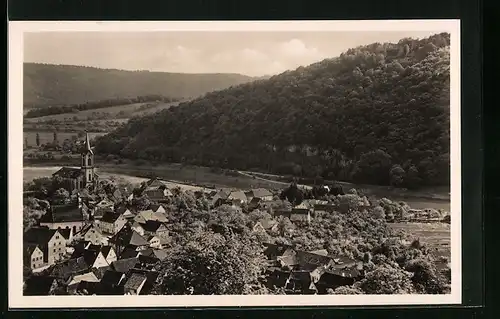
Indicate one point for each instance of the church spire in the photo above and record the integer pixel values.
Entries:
(88, 148)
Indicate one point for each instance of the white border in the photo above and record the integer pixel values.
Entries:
(15, 164)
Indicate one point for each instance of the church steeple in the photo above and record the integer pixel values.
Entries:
(88, 148)
(87, 167)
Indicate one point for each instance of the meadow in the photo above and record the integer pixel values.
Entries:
(121, 111)
(48, 137)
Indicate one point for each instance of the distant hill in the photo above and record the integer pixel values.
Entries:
(377, 114)
(47, 84)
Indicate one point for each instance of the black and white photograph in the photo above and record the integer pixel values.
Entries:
(234, 163)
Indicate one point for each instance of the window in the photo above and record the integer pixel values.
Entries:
(54, 250)
(89, 161)
(57, 236)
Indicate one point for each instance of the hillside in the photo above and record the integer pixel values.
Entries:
(46, 84)
(377, 114)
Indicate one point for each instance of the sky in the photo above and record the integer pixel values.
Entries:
(248, 53)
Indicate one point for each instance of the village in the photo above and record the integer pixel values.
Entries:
(109, 242)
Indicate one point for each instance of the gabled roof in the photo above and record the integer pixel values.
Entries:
(29, 249)
(129, 252)
(38, 285)
(238, 195)
(146, 215)
(70, 267)
(39, 235)
(260, 192)
(124, 265)
(88, 255)
(66, 233)
(110, 217)
(63, 213)
(151, 225)
(112, 278)
(135, 281)
(161, 254)
(154, 182)
(68, 172)
(127, 236)
(121, 209)
(89, 277)
(89, 227)
(154, 207)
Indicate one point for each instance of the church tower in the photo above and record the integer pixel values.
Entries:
(87, 167)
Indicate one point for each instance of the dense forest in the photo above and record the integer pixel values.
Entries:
(56, 85)
(51, 110)
(376, 114)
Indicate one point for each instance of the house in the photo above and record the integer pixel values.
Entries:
(260, 193)
(265, 225)
(70, 216)
(112, 283)
(134, 284)
(154, 242)
(116, 197)
(158, 195)
(160, 254)
(127, 237)
(88, 277)
(67, 234)
(237, 197)
(112, 222)
(33, 256)
(92, 233)
(124, 265)
(154, 183)
(68, 268)
(102, 207)
(150, 228)
(123, 210)
(83, 177)
(49, 241)
(156, 208)
(106, 251)
(145, 215)
(40, 286)
(300, 215)
(93, 258)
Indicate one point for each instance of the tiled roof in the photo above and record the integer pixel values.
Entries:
(151, 225)
(161, 254)
(129, 252)
(111, 278)
(135, 281)
(261, 192)
(89, 277)
(124, 265)
(63, 213)
(89, 256)
(127, 236)
(238, 195)
(154, 207)
(38, 235)
(70, 267)
(105, 251)
(110, 217)
(68, 172)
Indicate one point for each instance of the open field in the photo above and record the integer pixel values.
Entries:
(128, 110)
(48, 137)
(434, 235)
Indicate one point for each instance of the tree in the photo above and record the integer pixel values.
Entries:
(37, 140)
(397, 175)
(55, 141)
(373, 168)
(141, 202)
(211, 264)
(61, 196)
(386, 279)
(425, 277)
(31, 217)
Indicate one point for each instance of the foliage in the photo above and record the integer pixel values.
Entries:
(51, 110)
(31, 216)
(387, 279)
(208, 263)
(327, 119)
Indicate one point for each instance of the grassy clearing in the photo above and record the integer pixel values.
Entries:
(130, 110)
(436, 236)
(48, 137)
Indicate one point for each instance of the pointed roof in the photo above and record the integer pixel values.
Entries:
(88, 148)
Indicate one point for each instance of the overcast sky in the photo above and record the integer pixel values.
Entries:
(250, 53)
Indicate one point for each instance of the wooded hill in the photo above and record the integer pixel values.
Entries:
(57, 85)
(377, 114)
